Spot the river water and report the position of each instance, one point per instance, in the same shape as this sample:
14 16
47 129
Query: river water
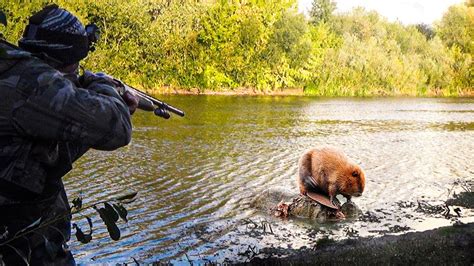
196 175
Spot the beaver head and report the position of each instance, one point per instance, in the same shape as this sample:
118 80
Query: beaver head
353 181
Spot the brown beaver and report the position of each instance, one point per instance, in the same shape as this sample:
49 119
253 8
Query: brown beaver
328 171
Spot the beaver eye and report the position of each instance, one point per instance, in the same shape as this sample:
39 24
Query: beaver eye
355 174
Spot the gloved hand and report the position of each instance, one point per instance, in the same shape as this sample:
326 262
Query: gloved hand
131 100
129 97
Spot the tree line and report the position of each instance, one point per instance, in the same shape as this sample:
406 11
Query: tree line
267 46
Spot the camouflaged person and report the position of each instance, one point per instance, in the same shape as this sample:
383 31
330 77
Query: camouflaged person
48 119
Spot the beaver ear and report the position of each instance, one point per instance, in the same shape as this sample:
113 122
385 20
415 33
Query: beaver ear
355 173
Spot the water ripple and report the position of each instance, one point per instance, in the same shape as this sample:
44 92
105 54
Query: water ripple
197 175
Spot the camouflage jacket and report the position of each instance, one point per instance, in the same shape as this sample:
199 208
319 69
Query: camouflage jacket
47 121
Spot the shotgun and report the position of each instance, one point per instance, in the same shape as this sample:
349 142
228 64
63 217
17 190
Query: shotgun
146 102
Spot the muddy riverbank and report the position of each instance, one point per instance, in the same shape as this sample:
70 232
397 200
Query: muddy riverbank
445 245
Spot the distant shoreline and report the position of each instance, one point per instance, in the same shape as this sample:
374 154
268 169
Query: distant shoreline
291 92
239 91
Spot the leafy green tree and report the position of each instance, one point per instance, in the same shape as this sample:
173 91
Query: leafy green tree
457 28
360 23
426 30
322 10
377 57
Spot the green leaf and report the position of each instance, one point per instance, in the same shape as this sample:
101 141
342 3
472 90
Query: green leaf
83 238
89 221
34 224
3 18
111 212
121 211
129 196
112 228
77 203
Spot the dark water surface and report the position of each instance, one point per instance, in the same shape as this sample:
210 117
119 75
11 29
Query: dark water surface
196 175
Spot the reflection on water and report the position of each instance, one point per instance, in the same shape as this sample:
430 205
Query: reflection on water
197 174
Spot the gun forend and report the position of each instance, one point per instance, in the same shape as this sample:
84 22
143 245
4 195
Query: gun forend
158 103
143 103
149 103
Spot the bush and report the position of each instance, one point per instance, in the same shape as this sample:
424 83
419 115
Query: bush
267 45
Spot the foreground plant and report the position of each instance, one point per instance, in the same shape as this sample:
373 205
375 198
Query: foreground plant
109 211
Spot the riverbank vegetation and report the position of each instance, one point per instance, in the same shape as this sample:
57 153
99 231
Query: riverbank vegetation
267 46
